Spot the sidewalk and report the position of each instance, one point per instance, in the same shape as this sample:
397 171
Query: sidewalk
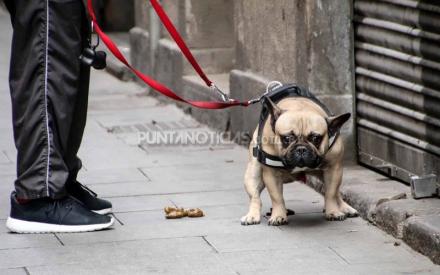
141 180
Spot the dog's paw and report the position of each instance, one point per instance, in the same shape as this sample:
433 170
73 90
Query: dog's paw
277 220
349 211
335 216
250 219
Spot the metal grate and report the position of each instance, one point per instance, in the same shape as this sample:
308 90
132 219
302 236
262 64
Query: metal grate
397 59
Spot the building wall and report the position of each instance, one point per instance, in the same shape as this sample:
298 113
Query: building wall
251 42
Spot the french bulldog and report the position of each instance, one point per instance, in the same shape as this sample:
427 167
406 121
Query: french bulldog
298 131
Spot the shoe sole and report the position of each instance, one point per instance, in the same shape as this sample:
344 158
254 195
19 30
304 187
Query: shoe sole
25 227
103 211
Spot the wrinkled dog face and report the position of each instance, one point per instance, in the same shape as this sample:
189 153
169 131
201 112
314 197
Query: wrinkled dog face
302 138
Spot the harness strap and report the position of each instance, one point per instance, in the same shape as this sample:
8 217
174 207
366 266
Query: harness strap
159 87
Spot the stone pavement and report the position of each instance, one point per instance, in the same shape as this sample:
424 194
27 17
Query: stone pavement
140 180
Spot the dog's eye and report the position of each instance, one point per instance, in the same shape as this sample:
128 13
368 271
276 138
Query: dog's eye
286 140
315 139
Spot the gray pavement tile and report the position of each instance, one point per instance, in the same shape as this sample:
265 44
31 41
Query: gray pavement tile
103 151
192 264
140 203
203 199
13 241
389 268
256 241
93 177
188 172
4 205
120 189
283 261
114 253
105 103
177 148
14 271
214 158
141 217
11 153
372 250
6 185
6 139
164 229
3 158
157 188
134 116
7 169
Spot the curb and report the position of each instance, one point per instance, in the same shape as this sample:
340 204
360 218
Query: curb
388 205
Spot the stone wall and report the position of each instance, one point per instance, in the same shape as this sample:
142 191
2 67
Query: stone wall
253 42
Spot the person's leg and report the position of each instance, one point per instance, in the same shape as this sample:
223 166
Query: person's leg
45 78
45 81
80 109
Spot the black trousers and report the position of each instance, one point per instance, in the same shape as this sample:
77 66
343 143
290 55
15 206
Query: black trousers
49 91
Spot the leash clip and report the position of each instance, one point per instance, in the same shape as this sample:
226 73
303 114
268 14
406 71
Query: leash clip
223 95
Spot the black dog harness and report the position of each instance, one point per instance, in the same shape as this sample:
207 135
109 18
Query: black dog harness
276 95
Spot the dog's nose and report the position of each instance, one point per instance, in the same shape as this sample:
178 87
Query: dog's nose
301 150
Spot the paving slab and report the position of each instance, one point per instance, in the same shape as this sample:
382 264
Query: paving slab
192 264
114 253
3 158
139 188
107 176
7 169
169 229
111 119
284 261
14 271
13 241
140 203
115 103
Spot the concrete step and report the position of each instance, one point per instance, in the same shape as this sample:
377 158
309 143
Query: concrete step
194 88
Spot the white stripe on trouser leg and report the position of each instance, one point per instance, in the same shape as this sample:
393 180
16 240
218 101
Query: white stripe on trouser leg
46 61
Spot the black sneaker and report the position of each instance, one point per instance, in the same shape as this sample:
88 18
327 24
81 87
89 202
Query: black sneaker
89 198
54 216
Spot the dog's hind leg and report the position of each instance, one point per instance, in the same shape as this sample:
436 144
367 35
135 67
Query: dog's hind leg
254 185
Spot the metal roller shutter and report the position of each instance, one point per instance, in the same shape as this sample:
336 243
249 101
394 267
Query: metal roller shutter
397 59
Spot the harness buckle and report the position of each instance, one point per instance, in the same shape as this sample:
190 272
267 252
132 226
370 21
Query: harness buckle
269 88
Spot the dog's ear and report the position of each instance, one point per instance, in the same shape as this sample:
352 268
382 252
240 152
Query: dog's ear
275 112
335 123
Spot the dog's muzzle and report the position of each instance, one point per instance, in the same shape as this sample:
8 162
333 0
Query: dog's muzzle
301 157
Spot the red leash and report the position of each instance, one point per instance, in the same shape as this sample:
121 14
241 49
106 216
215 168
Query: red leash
183 47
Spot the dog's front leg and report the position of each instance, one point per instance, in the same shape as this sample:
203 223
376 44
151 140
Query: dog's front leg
254 185
332 179
275 188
